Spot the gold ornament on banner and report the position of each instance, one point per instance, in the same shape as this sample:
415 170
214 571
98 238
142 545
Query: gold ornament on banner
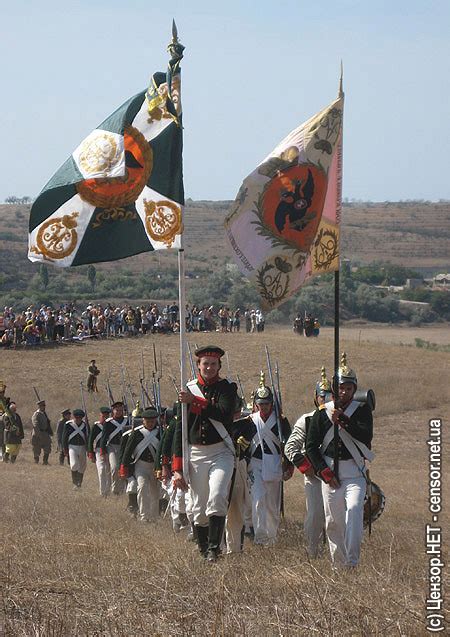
163 220
99 153
57 238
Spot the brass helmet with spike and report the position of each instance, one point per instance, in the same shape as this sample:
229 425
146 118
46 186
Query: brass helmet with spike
263 393
323 386
345 373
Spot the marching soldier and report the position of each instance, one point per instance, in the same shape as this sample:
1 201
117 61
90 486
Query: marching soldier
13 433
41 437
110 444
59 434
240 493
4 402
211 402
132 487
266 468
141 453
95 455
93 372
75 437
296 452
343 495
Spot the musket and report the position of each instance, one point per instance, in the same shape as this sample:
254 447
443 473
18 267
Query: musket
277 376
145 394
109 392
241 387
175 386
37 395
228 366
277 408
369 500
124 397
191 360
141 380
83 404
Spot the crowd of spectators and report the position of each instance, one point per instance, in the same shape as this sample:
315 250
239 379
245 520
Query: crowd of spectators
36 326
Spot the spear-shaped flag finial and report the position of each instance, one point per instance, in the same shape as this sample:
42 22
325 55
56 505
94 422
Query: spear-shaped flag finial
341 89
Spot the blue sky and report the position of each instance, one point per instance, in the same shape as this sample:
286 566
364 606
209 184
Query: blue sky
252 72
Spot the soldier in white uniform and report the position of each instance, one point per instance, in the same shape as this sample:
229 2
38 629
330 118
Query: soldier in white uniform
95 455
296 452
141 451
75 437
266 465
110 441
344 485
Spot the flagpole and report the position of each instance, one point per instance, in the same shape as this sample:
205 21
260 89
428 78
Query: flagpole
175 48
183 353
336 292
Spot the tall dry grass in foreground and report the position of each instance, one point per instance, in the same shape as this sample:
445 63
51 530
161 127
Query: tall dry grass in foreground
74 564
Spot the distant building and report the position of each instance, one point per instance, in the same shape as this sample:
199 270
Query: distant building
441 280
413 284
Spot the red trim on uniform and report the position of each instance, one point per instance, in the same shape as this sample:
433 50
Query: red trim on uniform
123 471
304 465
207 353
202 381
177 463
165 460
327 475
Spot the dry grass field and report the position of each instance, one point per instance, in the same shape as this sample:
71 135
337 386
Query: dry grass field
74 564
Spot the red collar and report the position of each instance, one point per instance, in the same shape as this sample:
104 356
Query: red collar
203 382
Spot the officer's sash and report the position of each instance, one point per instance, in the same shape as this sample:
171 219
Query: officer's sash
118 429
357 449
271 462
150 440
77 431
218 426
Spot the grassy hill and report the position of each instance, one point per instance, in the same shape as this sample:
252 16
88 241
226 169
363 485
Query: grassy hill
410 234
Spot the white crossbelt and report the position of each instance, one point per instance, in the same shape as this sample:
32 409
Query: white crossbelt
98 436
357 449
150 440
77 430
119 429
265 434
219 427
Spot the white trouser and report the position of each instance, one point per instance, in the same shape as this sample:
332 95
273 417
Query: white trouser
315 516
210 471
235 516
104 473
147 490
77 458
344 512
266 499
117 484
131 485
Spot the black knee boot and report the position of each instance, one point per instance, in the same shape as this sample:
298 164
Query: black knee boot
75 478
80 478
133 506
216 526
6 457
13 459
45 459
202 539
36 459
61 458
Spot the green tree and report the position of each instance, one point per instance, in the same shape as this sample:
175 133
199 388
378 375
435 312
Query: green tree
92 274
43 275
